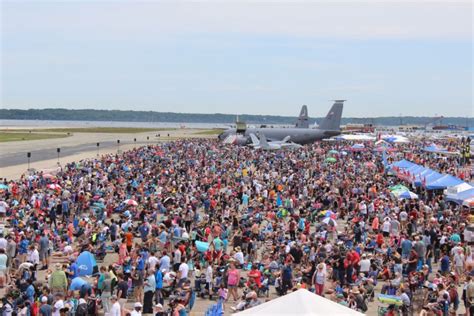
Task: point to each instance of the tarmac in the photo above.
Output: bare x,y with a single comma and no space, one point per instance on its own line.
44,155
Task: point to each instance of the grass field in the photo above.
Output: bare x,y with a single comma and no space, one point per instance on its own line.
124,130
214,131
19,136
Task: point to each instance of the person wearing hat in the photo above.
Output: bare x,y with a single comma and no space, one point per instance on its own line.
137,309
158,310
58,280
45,308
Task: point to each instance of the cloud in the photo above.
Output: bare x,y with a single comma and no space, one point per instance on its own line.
153,20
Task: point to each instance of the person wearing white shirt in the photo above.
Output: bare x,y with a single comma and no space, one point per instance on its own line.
115,310
58,305
137,309
364,264
183,271
152,261
165,262
239,256
33,256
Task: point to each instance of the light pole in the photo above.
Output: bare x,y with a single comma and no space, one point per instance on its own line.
28,155
98,144
135,142
58,150
118,145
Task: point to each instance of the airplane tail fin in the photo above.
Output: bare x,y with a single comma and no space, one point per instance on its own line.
303,118
263,140
254,139
332,121
286,139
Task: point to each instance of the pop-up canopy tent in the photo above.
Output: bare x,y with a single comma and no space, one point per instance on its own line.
460,197
443,182
301,302
86,264
458,188
433,148
402,164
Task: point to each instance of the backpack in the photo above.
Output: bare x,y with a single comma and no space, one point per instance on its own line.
82,310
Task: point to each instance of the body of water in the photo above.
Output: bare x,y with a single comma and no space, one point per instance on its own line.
60,124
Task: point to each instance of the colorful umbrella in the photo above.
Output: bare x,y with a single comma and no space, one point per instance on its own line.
130,202
329,221
54,186
331,159
408,195
3,187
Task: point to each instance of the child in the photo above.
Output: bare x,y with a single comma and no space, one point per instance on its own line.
222,293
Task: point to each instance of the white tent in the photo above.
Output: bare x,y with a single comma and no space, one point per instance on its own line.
301,302
458,188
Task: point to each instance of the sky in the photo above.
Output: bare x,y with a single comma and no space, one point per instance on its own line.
255,57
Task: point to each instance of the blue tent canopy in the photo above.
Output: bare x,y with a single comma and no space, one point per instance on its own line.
433,148
443,182
77,283
426,174
461,196
402,164
86,264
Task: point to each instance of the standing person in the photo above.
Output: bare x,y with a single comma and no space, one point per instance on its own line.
106,292
58,305
122,290
44,250
3,268
159,285
287,278
209,278
45,309
233,278
319,279
115,309
58,281
149,289
183,271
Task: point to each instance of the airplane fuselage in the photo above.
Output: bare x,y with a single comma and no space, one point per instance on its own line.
297,135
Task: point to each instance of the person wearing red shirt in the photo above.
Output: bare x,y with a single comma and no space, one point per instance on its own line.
255,276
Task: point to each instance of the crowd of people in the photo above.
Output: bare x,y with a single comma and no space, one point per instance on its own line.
192,221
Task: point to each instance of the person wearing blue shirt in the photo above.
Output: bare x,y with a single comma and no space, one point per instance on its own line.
406,248
444,266
30,291
143,231
159,285
72,270
140,263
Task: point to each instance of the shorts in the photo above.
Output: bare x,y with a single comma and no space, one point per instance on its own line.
43,255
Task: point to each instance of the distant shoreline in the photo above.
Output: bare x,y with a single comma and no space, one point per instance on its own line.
217,120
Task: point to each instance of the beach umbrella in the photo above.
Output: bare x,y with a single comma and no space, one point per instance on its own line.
54,186
469,202
344,153
329,221
130,202
333,152
86,264
408,195
370,165
77,283
48,176
398,187
3,187
331,160
202,246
